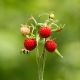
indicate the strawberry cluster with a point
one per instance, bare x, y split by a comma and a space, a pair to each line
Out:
46, 32
35, 34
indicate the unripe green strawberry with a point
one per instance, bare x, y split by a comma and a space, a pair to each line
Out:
51, 16
30, 44
25, 30
50, 46
45, 32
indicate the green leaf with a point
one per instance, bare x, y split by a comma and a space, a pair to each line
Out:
58, 53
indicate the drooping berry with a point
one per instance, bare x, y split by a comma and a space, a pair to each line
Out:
58, 30
30, 44
45, 32
50, 46
25, 30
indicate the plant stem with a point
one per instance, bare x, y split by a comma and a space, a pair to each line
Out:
40, 61
37, 55
43, 58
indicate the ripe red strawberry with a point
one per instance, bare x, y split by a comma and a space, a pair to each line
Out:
30, 44
45, 32
50, 46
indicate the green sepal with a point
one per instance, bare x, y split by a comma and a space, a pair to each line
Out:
56, 51
39, 25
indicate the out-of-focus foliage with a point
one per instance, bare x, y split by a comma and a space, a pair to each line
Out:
16, 66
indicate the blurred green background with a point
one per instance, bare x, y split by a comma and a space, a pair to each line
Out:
16, 66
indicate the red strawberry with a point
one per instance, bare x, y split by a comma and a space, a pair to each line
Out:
50, 46
45, 32
30, 44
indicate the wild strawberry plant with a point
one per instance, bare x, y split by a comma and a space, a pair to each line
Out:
41, 33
